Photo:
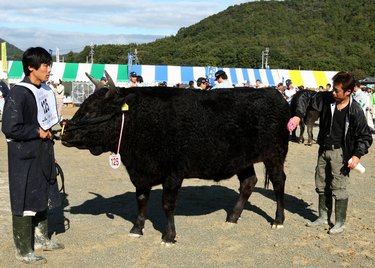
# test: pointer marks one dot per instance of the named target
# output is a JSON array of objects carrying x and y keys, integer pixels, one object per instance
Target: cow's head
[{"x": 97, "y": 123}]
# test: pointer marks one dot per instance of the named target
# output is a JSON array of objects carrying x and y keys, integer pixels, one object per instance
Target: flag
[
  {"x": 4, "y": 56},
  {"x": 211, "y": 74},
  {"x": 130, "y": 62}
]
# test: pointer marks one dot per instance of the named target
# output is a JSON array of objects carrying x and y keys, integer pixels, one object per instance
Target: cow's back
[{"x": 203, "y": 134}]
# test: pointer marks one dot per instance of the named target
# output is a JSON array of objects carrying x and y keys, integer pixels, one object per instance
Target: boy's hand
[{"x": 45, "y": 134}]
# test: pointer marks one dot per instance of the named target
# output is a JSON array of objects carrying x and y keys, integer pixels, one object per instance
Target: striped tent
[
  {"x": 153, "y": 74},
  {"x": 238, "y": 76},
  {"x": 74, "y": 72}
]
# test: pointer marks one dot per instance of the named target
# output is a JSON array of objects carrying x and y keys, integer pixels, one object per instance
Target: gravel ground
[{"x": 101, "y": 206}]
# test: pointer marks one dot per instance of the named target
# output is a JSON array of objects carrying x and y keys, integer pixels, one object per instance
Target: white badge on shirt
[{"x": 46, "y": 104}]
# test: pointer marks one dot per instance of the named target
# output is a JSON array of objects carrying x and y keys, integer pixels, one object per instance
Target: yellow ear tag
[{"x": 125, "y": 107}]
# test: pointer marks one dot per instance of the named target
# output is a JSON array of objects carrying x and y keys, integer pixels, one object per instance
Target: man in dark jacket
[
  {"x": 29, "y": 114},
  {"x": 4, "y": 90},
  {"x": 344, "y": 137}
]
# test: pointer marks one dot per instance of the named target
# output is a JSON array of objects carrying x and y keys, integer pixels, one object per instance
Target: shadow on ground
[{"x": 192, "y": 200}]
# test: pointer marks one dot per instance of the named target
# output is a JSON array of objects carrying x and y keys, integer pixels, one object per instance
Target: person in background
[
  {"x": 258, "y": 84},
  {"x": 103, "y": 80},
  {"x": 281, "y": 89},
  {"x": 191, "y": 84},
  {"x": 290, "y": 90},
  {"x": 59, "y": 92},
  {"x": 221, "y": 79},
  {"x": 28, "y": 117},
  {"x": 139, "y": 80},
  {"x": 328, "y": 87},
  {"x": 344, "y": 137},
  {"x": 4, "y": 90},
  {"x": 363, "y": 99},
  {"x": 321, "y": 88},
  {"x": 202, "y": 83},
  {"x": 132, "y": 80}
]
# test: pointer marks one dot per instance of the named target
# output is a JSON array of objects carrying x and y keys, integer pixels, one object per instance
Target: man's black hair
[{"x": 34, "y": 57}]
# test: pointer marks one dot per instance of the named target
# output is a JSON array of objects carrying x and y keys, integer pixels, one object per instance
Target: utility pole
[
  {"x": 135, "y": 59},
  {"x": 92, "y": 52},
  {"x": 265, "y": 54},
  {"x": 57, "y": 55}
]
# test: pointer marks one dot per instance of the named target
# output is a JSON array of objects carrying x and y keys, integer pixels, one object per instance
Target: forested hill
[
  {"x": 300, "y": 34},
  {"x": 12, "y": 51}
]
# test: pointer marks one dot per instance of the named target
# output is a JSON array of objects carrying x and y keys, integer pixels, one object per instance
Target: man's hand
[
  {"x": 45, "y": 134},
  {"x": 293, "y": 123},
  {"x": 353, "y": 162}
]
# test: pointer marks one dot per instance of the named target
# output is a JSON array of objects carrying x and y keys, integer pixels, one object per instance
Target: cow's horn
[
  {"x": 95, "y": 81},
  {"x": 112, "y": 86},
  {"x": 110, "y": 80}
]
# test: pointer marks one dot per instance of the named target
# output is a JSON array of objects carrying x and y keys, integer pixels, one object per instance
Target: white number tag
[{"x": 115, "y": 161}]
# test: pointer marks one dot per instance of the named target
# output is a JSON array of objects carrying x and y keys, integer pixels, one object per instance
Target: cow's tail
[{"x": 267, "y": 178}]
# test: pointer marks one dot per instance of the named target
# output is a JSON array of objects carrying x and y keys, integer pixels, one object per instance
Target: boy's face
[
  {"x": 339, "y": 94},
  {"x": 41, "y": 74}
]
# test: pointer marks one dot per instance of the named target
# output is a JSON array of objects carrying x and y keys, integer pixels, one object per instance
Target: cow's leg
[
  {"x": 301, "y": 139},
  {"x": 310, "y": 133},
  {"x": 142, "y": 196},
  {"x": 247, "y": 180},
  {"x": 277, "y": 176},
  {"x": 169, "y": 200},
  {"x": 293, "y": 137}
]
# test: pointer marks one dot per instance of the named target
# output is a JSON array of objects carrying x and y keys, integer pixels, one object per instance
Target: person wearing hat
[
  {"x": 103, "y": 80},
  {"x": 221, "y": 79},
  {"x": 133, "y": 79},
  {"x": 202, "y": 83},
  {"x": 290, "y": 90}
]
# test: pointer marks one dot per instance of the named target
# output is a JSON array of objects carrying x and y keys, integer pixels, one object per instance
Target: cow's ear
[
  {"x": 130, "y": 98},
  {"x": 110, "y": 93}
]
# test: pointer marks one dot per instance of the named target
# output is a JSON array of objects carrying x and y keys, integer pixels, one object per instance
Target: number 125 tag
[{"x": 115, "y": 161}]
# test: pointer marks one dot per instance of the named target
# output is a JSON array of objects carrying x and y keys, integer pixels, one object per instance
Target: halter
[{"x": 73, "y": 125}]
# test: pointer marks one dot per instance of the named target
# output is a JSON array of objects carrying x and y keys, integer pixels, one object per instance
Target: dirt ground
[{"x": 101, "y": 206}]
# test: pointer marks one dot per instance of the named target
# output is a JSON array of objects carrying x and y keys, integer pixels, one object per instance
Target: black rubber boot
[
  {"x": 325, "y": 211},
  {"x": 340, "y": 215},
  {"x": 22, "y": 235},
  {"x": 42, "y": 240}
]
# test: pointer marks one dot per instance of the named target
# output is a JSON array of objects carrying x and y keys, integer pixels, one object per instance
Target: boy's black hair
[{"x": 34, "y": 57}]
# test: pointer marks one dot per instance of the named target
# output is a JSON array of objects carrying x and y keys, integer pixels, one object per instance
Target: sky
[{"x": 71, "y": 25}]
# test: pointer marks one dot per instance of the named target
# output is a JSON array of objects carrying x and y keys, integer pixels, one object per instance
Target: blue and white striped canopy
[{"x": 153, "y": 74}]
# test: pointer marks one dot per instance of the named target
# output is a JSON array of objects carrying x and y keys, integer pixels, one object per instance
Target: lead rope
[{"x": 122, "y": 128}]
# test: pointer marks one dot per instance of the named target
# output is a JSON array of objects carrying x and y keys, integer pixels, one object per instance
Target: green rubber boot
[
  {"x": 42, "y": 240},
  {"x": 325, "y": 211},
  {"x": 22, "y": 235},
  {"x": 340, "y": 215}
]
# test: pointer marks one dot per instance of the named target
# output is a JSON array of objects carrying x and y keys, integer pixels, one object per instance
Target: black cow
[
  {"x": 311, "y": 117},
  {"x": 172, "y": 133}
]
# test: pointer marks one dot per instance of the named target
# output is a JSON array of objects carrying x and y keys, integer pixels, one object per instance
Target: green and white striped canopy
[{"x": 73, "y": 71}]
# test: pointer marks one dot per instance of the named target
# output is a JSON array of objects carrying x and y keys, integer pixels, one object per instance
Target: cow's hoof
[
  {"x": 168, "y": 244},
  {"x": 308, "y": 144},
  {"x": 276, "y": 226},
  {"x": 134, "y": 235}
]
